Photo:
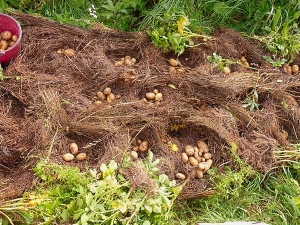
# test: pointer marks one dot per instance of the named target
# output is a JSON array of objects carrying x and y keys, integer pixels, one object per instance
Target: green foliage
[
  {"x": 106, "y": 197},
  {"x": 251, "y": 101},
  {"x": 219, "y": 61},
  {"x": 274, "y": 62},
  {"x": 172, "y": 33},
  {"x": 121, "y": 15}
]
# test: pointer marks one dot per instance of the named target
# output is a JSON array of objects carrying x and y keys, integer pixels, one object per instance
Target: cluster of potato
[
  {"x": 294, "y": 69},
  {"x": 154, "y": 96},
  {"x": 105, "y": 95},
  {"x": 138, "y": 145},
  {"x": 7, "y": 40},
  {"x": 126, "y": 61},
  {"x": 173, "y": 64},
  {"x": 199, "y": 157},
  {"x": 67, "y": 52},
  {"x": 68, "y": 157},
  {"x": 244, "y": 61}
]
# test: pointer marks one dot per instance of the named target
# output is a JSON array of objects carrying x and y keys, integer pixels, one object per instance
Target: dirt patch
[{"x": 52, "y": 102}]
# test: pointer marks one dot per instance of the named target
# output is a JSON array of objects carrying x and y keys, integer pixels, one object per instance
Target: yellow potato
[
  {"x": 81, "y": 156},
  {"x": 193, "y": 161},
  {"x": 74, "y": 148},
  {"x": 68, "y": 157},
  {"x": 144, "y": 146},
  {"x": 184, "y": 157},
  {"x": 180, "y": 176},
  {"x": 189, "y": 150}
]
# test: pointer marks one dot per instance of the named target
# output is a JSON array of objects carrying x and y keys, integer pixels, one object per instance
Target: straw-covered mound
[{"x": 48, "y": 101}]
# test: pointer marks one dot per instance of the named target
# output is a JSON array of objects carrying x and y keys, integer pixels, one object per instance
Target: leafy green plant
[
  {"x": 251, "y": 101},
  {"x": 107, "y": 196},
  {"x": 219, "y": 61},
  {"x": 173, "y": 33},
  {"x": 274, "y": 62}
]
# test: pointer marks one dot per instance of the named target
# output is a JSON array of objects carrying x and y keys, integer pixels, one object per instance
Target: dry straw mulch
[{"x": 52, "y": 104}]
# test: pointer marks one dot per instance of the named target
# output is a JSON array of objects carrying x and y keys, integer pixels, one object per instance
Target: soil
[{"x": 49, "y": 100}]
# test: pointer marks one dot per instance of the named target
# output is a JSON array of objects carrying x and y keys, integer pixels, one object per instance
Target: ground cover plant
[{"x": 55, "y": 94}]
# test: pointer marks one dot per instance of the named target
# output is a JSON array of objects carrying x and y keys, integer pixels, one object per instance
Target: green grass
[{"x": 269, "y": 198}]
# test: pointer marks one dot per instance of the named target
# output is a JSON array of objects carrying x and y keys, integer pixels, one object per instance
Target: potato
[
  {"x": 208, "y": 165},
  {"x": 106, "y": 91},
  {"x": 138, "y": 141},
  {"x": 74, "y": 148},
  {"x": 180, "y": 70},
  {"x": 202, "y": 166},
  {"x": 207, "y": 155},
  {"x": 14, "y": 38},
  {"x": 150, "y": 95},
  {"x": 226, "y": 70},
  {"x": 127, "y": 61},
  {"x": 158, "y": 97},
  {"x": 144, "y": 146},
  {"x": 100, "y": 95},
  {"x": 289, "y": 70},
  {"x": 69, "y": 52},
  {"x": 3, "y": 45},
  {"x": 173, "y": 62},
  {"x": 193, "y": 161},
  {"x": 189, "y": 150},
  {"x": 6, "y": 35},
  {"x": 68, "y": 157},
  {"x": 172, "y": 69},
  {"x": 199, "y": 174},
  {"x": 203, "y": 147},
  {"x": 81, "y": 156},
  {"x": 11, "y": 43},
  {"x": 133, "y": 61},
  {"x": 243, "y": 59},
  {"x": 295, "y": 69},
  {"x": 98, "y": 103},
  {"x": 134, "y": 155},
  {"x": 180, "y": 176},
  {"x": 184, "y": 157},
  {"x": 110, "y": 97},
  {"x": 155, "y": 91}
]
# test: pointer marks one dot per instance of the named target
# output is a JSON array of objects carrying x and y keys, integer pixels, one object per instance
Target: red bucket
[{"x": 7, "y": 23}]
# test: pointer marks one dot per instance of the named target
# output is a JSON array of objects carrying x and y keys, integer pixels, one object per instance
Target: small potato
[
  {"x": 134, "y": 155},
  {"x": 118, "y": 63},
  {"x": 81, "y": 156},
  {"x": 158, "y": 97},
  {"x": 69, "y": 52},
  {"x": 226, "y": 70},
  {"x": 14, "y": 38},
  {"x": 189, "y": 150},
  {"x": 184, "y": 157},
  {"x": 203, "y": 147},
  {"x": 138, "y": 141},
  {"x": 100, "y": 95},
  {"x": 172, "y": 69},
  {"x": 11, "y": 43},
  {"x": 98, "y": 103},
  {"x": 133, "y": 61},
  {"x": 74, "y": 148},
  {"x": 6, "y": 35},
  {"x": 199, "y": 174},
  {"x": 155, "y": 91},
  {"x": 127, "y": 61},
  {"x": 193, "y": 161},
  {"x": 180, "y": 176},
  {"x": 68, "y": 157},
  {"x": 173, "y": 62},
  {"x": 202, "y": 166},
  {"x": 144, "y": 146},
  {"x": 208, "y": 165},
  {"x": 3, "y": 45},
  {"x": 180, "y": 70},
  {"x": 110, "y": 97},
  {"x": 150, "y": 95},
  {"x": 289, "y": 70},
  {"x": 207, "y": 155},
  {"x": 243, "y": 59},
  {"x": 295, "y": 69},
  {"x": 106, "y": 91}
]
